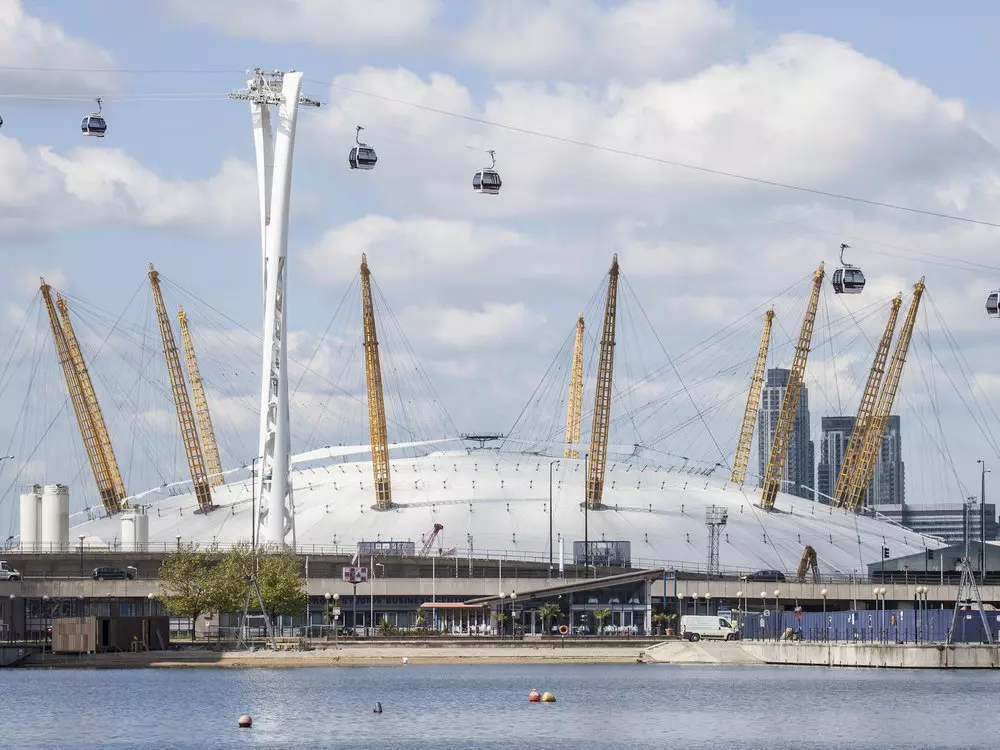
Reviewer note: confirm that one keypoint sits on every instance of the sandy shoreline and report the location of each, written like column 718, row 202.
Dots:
column 348, row 656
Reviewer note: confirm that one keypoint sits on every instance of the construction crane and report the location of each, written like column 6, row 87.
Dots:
column 875, row 433
column 429, row 542
column 185, row 417
column 808, row 562
column 866, row 410
column 602, row 395
column 574, row 406
column 742, row 456
column 376, row 400
column 111, row 492
column 209, row 445
column 790, row 403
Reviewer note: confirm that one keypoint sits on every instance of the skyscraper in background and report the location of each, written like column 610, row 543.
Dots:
column 888, row 485
column 799, row 475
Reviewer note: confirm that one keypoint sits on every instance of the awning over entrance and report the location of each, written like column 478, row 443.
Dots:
column 578, row 586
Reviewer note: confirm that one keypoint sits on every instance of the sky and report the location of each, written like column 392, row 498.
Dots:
column 890, row 103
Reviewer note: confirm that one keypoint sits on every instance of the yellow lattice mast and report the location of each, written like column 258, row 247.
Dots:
column 598, row 456
column 109, row 462
column 872, row 445
column 83, row 417
column 574, row 406
column 790, row 403
column 209, row 445
column 376, row 399
column 742, row 456
column 866, row 410
column 185, row 417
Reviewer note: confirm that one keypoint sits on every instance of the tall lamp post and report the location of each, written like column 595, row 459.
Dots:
column 371, row 593
column 826, row 626
column 763, row 606
column 513, row 598
column 551, row 464
column 982, row 521
column 777, row 620
column 586, row 509
column 500, row 615
column 918, row 626
column 739, row 606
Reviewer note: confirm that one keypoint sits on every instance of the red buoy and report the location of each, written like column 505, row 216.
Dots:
column 534, row 696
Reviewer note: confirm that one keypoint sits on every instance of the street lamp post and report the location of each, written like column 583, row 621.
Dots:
column 500, row 615
column 739, row 605
column 586, row 509
column 551, row 464
column 919, row 625
column 708, row 602
column 826, row 626
column 371, row 593
column 777, row 621
column 982, row 520
column 763, row 606
column 513, row 598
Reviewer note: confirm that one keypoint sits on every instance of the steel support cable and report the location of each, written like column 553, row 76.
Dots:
column 407, row 402
column 15, row 346
column 326, row 331
column 969, row 373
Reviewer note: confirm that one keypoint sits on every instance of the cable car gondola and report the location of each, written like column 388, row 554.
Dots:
column 94, row 124
column 993, row 304
column 487, row 181
column 847, row 279
column 362, row 156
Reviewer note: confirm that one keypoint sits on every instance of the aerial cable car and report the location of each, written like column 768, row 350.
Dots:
column 362, row 156
column 993, row 304
column 847, row 279
column 487, row 181
column 94, row 124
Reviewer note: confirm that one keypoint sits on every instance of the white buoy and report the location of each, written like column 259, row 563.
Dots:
column 406, row 660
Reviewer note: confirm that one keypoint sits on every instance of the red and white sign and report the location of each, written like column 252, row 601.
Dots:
column 356, row 574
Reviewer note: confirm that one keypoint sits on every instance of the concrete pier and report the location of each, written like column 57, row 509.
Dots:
column 896, row 656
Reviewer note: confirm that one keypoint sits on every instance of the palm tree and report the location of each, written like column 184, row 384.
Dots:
column 500, row 618
column 660, row 619
column 548, row 613
column 601, row 615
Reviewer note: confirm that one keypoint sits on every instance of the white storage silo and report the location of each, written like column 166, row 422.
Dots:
column 31, row 518
column 55, row 518
column 135, row 530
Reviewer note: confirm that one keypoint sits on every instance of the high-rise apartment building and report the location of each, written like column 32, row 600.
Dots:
column 800, row 472
column 888, row 485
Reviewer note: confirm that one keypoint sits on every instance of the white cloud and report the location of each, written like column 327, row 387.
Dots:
column 494, row 325
column 580, row 38
column 29, row 42
column 805, row 110
column 42, row 190
column 319, row 22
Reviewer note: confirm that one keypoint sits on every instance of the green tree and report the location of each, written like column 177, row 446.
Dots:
column 278, row 574
column 601, row 615
column 186, row 580
column 549, row 612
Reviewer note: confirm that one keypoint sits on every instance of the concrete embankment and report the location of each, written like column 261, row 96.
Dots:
column 349, row 656
column 898, row 656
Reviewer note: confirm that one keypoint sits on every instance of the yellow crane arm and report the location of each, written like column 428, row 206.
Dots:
column 376, row 398
column 862, row 420
column 185, row 417
column 880, row 420
column 209, row 445
column 83, row 416
column 597, row 464
column 790, row 403
column 742, row 455
column 109, row 461
column 574, row 406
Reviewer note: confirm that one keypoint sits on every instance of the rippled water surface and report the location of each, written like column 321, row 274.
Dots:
column 459, row 707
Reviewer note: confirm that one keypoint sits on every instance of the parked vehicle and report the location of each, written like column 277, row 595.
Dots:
column 115, row 574
column 8, row 573
column 766, row 575
column 696, row 627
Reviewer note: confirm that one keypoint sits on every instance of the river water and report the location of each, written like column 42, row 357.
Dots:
column 484, row 707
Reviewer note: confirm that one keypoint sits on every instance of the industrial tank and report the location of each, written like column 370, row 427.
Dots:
column 55, row 518
column 135, row 530
column 31, row 518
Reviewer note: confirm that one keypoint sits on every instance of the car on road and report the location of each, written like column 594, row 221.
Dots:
column 766, row 575
column 115, row 574
column 9, row 573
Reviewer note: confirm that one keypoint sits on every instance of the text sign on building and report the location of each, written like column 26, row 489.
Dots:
column 387, row 549
column 356, row 574
column 604, row 554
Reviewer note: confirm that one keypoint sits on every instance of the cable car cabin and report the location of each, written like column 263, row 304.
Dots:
column 363, row 157
column 487, row 182
column 993, row 304
column 848, row 280
column 94, row 125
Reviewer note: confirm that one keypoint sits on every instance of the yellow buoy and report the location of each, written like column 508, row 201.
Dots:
column 548, row 698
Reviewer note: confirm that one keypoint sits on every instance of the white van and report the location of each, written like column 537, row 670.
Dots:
column 696, row 627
